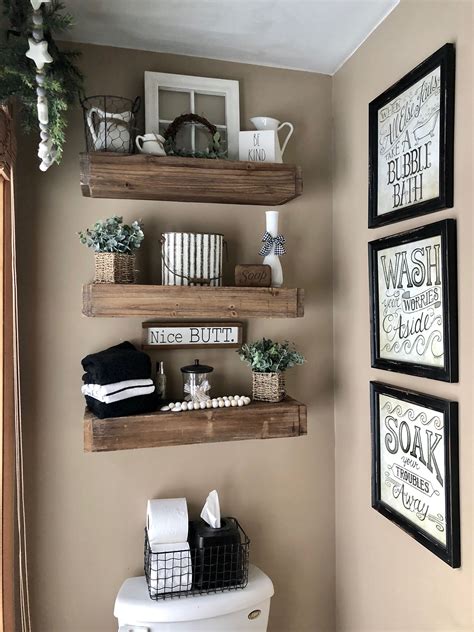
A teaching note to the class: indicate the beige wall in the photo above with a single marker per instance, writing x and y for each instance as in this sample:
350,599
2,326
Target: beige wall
385,580
86,511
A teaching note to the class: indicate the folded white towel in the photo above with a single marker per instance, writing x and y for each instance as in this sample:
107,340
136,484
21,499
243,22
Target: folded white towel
170,568
109,389
118,391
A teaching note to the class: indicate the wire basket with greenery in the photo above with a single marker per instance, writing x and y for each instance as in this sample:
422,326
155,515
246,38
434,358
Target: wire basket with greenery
269,360
114,244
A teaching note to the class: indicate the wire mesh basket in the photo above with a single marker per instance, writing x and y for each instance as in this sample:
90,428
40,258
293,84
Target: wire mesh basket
179,573
110,123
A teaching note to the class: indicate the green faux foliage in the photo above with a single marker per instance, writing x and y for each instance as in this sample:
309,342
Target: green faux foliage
112,235
266,356
63,79
214,149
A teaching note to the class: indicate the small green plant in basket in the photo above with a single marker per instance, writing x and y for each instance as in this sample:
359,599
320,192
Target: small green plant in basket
112,235
114,244
268,361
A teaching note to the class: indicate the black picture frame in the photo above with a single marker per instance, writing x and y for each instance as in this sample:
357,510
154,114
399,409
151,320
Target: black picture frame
448,328
444,58
385,482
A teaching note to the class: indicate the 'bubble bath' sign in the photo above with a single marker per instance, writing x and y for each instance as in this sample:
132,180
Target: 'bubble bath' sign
411,142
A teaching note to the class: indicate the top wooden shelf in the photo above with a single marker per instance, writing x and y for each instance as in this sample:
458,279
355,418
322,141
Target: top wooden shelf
144,177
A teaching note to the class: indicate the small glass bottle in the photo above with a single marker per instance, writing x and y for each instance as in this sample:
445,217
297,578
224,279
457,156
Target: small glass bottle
196,384
160,380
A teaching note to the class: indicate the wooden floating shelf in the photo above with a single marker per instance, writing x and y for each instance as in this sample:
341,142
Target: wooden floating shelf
144,177
171,301
258,420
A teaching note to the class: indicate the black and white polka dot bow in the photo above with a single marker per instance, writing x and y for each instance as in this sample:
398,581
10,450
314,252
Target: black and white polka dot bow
269,241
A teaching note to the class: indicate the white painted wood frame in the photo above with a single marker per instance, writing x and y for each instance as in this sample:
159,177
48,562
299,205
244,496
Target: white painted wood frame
154,81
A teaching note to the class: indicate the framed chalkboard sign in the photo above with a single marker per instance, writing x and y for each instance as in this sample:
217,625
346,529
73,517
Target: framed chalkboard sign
413,293
411,135
415,471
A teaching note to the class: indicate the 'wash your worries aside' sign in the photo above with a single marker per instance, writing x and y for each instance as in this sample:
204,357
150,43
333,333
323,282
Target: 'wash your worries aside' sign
188,335
413,301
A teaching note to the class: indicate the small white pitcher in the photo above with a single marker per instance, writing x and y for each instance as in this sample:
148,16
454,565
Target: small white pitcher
268,123
151,144
110,131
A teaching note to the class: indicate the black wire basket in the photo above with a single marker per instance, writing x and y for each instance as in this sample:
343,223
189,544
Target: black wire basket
197,571
110,123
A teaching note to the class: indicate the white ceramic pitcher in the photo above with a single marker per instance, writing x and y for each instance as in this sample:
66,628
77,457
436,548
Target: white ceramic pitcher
110,131
268,123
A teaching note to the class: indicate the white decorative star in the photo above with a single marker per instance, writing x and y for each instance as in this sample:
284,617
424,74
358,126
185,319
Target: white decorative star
37,3
38,52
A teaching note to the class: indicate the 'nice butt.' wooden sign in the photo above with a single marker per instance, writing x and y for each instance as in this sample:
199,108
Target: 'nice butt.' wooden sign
171,335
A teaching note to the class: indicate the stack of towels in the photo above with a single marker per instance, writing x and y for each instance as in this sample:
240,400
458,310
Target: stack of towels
170,565
117,382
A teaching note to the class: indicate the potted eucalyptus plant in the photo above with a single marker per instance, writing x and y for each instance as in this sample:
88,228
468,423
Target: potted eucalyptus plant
114,244
269,360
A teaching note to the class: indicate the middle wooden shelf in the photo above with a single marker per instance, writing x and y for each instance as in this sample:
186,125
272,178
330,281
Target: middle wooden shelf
171,301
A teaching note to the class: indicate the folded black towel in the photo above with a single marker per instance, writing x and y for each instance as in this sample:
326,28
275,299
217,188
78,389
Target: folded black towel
132,406
116,364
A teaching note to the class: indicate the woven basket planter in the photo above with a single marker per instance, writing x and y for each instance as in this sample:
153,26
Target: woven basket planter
268,387
114,267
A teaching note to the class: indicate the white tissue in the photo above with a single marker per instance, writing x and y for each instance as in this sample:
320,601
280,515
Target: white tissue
211,512
167,521
171,568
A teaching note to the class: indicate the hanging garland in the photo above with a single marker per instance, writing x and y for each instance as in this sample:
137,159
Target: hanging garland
50,85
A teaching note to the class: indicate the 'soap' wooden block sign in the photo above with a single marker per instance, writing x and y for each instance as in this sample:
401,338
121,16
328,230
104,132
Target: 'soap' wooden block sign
190,335
258,146
253,275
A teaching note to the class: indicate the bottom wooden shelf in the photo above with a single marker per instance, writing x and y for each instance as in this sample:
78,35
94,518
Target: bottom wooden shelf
258,420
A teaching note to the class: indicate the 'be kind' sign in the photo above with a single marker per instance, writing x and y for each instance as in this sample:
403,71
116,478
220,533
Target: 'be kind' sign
414,305
415,468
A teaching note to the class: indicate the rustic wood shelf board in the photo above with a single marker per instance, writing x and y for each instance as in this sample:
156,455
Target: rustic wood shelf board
171,301
144,177
258,420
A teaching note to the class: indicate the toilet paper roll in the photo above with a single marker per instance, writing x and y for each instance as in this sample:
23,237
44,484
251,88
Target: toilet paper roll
167,520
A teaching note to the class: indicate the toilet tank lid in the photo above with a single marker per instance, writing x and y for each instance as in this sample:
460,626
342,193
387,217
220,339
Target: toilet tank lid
133,603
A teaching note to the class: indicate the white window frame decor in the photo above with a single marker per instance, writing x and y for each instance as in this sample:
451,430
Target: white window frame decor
154,81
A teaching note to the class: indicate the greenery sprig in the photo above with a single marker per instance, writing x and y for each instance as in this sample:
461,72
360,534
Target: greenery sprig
112,235
266,356
63,79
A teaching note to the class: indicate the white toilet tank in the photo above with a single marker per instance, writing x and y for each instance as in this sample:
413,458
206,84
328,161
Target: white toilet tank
242,610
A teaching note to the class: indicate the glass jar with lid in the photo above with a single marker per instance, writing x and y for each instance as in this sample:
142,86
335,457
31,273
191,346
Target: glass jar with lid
196,384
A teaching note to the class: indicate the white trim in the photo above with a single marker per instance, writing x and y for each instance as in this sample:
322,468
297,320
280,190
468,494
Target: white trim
374,28
203,85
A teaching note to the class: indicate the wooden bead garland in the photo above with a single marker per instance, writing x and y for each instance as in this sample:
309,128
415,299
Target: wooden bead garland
38,52
217,402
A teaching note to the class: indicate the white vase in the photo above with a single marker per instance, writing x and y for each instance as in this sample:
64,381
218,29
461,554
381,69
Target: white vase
272,259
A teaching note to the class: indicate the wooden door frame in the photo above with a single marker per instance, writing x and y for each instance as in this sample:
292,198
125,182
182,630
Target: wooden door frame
7,390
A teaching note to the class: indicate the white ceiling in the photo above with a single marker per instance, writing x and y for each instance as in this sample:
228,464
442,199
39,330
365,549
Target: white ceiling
314,35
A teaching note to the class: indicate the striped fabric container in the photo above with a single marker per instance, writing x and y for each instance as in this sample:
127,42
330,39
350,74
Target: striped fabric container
191,259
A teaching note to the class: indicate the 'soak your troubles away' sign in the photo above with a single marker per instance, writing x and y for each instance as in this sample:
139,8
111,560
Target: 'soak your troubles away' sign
411,128
172,335
414,302
415,466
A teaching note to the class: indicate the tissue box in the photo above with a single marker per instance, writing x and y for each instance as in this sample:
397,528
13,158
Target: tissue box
220,556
